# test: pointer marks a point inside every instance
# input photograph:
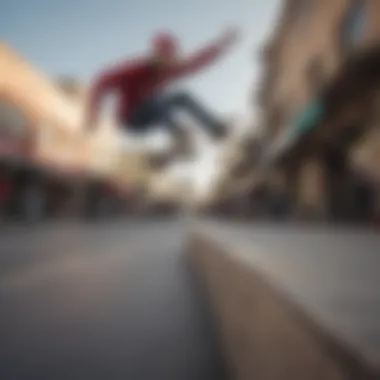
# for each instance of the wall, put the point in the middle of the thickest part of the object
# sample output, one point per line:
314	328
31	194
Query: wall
305	56
56	119
308	37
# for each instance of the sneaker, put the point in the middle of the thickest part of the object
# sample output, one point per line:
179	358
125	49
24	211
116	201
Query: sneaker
183	145
221	133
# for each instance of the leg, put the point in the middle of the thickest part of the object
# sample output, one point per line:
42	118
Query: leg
183	100
157	110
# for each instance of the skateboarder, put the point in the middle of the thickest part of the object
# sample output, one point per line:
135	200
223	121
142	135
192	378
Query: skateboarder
141	86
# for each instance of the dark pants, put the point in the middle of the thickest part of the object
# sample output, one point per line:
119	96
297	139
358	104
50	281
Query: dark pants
161	108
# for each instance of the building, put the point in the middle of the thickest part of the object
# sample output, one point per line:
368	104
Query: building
44	156
318	96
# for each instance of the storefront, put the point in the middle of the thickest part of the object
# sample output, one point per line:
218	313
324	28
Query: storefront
16	145
41	147
316	151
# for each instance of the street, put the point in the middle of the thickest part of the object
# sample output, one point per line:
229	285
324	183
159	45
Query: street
117	300
102	301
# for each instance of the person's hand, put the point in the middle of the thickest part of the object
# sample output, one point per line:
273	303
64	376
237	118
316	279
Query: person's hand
229	37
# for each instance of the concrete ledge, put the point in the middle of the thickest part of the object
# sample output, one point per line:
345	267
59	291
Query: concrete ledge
265	336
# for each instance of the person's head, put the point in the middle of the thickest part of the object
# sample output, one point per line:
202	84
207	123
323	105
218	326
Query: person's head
165	49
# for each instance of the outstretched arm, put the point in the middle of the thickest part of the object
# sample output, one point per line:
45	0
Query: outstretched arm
208	55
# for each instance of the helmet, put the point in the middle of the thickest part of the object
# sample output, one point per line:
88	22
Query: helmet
165	44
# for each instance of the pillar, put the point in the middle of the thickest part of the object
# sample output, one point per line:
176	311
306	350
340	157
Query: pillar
311	202
338	184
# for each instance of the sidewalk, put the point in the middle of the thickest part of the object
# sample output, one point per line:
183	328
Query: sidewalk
328	278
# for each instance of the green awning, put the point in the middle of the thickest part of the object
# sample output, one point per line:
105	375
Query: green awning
306	120
309	117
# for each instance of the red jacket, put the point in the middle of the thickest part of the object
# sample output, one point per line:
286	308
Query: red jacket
135	81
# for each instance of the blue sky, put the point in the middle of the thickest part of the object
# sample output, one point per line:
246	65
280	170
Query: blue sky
79	37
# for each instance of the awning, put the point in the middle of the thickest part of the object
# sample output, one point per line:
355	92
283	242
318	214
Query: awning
305	121
309	117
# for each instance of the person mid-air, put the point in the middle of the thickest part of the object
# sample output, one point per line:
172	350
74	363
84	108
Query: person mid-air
141	87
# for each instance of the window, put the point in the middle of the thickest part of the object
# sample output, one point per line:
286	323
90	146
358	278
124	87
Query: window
354	25
13	123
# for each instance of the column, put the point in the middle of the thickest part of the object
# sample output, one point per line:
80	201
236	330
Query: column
311	190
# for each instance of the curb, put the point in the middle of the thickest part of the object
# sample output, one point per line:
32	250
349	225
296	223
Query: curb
264	335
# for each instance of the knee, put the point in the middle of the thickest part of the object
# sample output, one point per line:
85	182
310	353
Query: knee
180	98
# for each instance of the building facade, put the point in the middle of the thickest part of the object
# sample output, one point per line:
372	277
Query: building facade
45	159
319	95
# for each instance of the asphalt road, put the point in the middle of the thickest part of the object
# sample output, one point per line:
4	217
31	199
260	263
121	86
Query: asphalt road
331	272
109	301
117	300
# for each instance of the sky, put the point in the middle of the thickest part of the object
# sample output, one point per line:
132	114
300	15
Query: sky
80	37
